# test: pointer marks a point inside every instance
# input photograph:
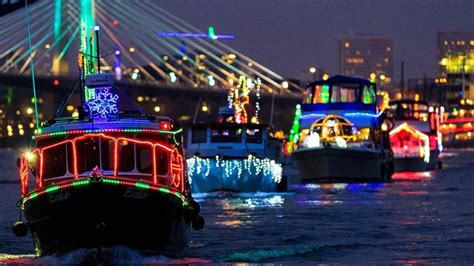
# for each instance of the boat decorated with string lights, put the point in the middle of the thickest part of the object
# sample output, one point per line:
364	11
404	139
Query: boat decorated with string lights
237	153
111	176
340	133
415	139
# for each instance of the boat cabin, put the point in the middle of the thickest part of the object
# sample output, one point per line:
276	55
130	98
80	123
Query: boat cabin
230	140
132	149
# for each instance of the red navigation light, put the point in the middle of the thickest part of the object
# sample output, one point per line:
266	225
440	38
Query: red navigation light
56	82
165	125
115	22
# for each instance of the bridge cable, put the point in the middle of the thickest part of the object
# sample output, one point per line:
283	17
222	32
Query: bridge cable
32	66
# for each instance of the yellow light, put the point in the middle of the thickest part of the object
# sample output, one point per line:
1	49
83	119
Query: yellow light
347	45
444	61
131	50
29	110
372	76
285	84
22	132
232	56
75	114
157	109
29	156
140	99
10	133
9	128
185	58
47	46
136	70
382	77
417	97
249	64
165	58
398	96
204	108
32	125
325	76
18	112
462	102
20	126
70	108
312	70
202	56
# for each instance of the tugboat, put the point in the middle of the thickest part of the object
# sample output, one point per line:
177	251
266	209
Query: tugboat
234	154
106	178
339	133
416	139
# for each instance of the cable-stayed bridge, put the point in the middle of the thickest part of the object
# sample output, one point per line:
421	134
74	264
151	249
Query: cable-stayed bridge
164	63
130	32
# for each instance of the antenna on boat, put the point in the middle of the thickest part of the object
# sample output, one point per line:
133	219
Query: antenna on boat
32	65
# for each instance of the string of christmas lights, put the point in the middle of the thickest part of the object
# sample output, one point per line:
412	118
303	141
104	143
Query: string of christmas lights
234	168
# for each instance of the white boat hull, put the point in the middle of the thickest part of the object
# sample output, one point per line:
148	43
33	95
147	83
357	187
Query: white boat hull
330	164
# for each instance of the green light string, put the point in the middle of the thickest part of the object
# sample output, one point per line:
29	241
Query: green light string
32	66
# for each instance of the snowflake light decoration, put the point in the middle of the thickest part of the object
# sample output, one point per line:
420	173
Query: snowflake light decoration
104	104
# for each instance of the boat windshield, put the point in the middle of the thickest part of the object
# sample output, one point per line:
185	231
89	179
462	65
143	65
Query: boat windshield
340	93
408	111
118	156
226	134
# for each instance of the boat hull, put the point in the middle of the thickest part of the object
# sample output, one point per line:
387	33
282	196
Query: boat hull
330	164
105	215
211	178
416	164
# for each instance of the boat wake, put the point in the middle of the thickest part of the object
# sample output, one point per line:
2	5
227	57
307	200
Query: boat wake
113	256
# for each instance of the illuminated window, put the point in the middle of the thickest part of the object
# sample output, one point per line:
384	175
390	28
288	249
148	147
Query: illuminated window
321	94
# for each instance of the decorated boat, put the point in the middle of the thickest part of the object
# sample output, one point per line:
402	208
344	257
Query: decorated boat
415	139
237	153
107	177
340	134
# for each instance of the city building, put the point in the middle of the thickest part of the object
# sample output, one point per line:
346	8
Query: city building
366	56
455	62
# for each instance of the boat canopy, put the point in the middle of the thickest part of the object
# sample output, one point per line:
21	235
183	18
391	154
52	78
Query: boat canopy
340	92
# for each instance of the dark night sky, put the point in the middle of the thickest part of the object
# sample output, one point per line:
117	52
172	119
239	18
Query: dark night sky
288	36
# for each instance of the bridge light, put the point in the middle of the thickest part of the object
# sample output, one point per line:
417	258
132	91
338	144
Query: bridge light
29	110
285	84
173	77
115	22
47	46
232	56
157	109
204	108
312	70
131	49
211	81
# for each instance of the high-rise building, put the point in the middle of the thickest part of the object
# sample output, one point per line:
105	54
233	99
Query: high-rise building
455	49
361	55
455	61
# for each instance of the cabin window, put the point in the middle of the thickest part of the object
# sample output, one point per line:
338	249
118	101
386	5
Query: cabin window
144	158
368	95
226	135
321	94
107	153
198	135
126	156
54	161
343	94
88	154
162	163
254	135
